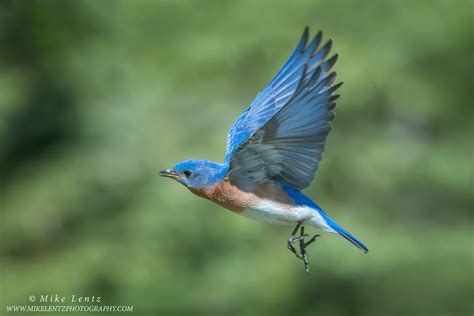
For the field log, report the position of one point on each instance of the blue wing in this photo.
(279, 90)
(287, 144)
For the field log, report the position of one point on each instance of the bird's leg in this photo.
(292, 239)
(303, 246)
(304, 256)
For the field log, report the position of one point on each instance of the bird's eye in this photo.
(188, 174)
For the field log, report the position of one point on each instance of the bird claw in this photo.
(313, 239)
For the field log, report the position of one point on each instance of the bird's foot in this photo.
(302, 245)
(292, 239)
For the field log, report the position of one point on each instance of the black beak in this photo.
(169, 174)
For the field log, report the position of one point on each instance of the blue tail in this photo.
(345, 234)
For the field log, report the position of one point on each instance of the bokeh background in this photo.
(97, 96)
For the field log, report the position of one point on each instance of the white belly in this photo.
(277, 213)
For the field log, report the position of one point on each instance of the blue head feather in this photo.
(199, 173)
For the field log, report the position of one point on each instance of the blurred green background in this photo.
(97, 96)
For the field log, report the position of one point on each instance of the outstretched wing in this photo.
(279, 90)
(288, 145)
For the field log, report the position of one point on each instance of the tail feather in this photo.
(341, 231)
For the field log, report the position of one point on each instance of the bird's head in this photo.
(195, 174)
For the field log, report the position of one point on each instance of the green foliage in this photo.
(97, 96)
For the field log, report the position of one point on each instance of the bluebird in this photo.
(274, 149)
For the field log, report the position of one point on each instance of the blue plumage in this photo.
(199, 173)
(342, 232)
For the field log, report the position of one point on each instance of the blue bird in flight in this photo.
(274, 149)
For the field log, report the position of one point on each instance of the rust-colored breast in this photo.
(233, 198)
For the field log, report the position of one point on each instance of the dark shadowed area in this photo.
(98, 96)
